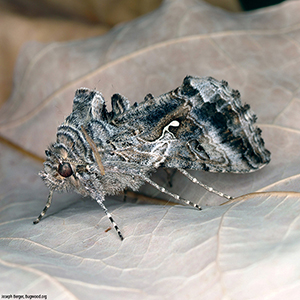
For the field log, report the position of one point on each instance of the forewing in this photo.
(213, 130)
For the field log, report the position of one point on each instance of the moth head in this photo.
(59, 170)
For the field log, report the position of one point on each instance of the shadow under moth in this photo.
(201, 125)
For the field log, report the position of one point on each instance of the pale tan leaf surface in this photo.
(247, 249)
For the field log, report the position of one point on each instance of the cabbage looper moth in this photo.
(201, 125)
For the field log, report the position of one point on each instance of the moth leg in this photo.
(175, 196)
(125, 195)
(208, 188)
(48, 204)
(170, 175)
(100, 202)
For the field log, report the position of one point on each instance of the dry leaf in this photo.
(109, 12)
(243, 250)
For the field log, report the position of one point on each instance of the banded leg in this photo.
(170, 175)
(125, 195)
(177, 197)
(48, 204)
(208, 188)
(100, 202)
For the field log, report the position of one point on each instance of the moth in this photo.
(201, 125)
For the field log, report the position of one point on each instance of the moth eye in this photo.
(48, 153)
(64, 169)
